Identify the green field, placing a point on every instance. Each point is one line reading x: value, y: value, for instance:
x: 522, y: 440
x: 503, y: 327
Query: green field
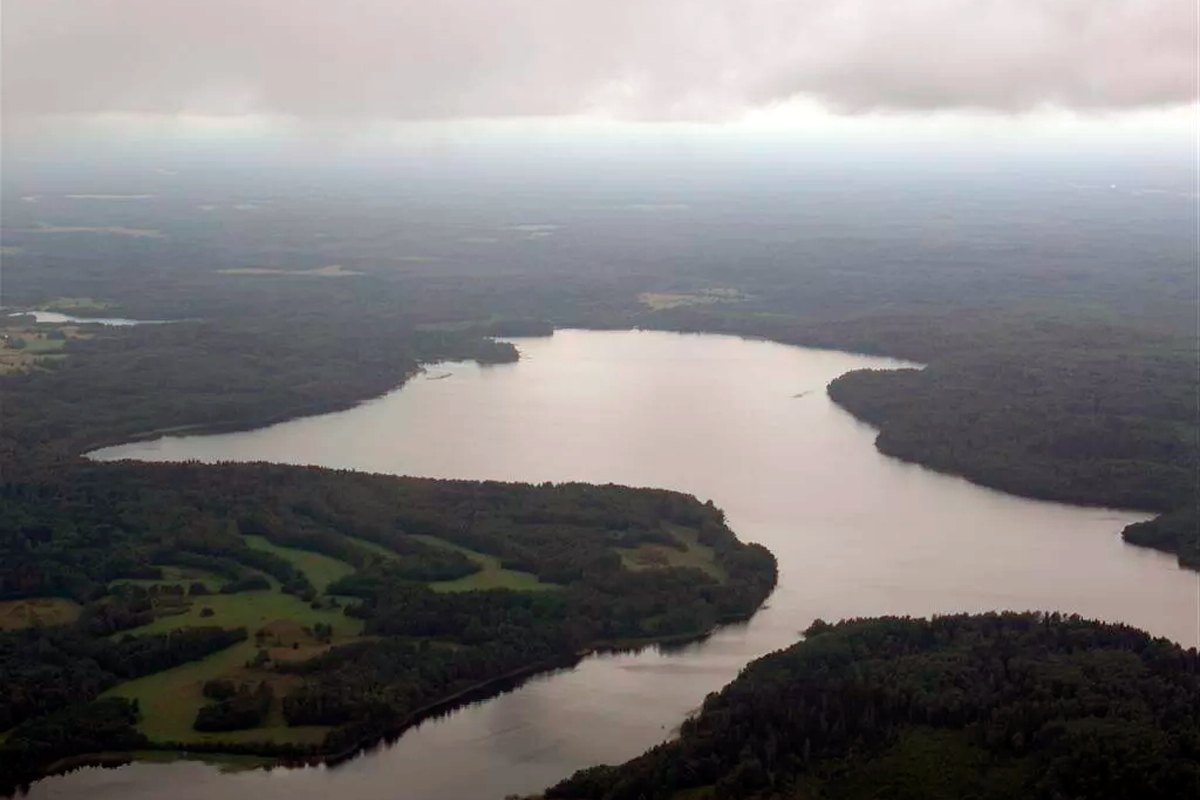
x: 37, y: 611
x: 38, y: 343
x: 321, y: 570
x: 491, y: 574
x: 252, y: 610
x: 377, y: 549
x: 169, y: 700
x: 657, y: 556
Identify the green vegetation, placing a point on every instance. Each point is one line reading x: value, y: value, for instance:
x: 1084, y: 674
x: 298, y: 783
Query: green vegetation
x: 40, y: 343
x: 685, y: 551
x: 1177, y: 532
x: 169, y: 700
x: 379, y: 596
x: 320, y: 569
x: 52, y: 675
x: 37, y: 612
x: 491, y: 573
x: 167, y: 574
x: 990, y: 706
x: 1109, y: 423
x: 250, y: 610
x: 75, y: 305
x: 663, y: 301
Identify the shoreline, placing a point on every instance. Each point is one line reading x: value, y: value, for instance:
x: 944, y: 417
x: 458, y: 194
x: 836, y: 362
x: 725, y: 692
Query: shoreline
x: 206, y: 429
x: 477, y: 692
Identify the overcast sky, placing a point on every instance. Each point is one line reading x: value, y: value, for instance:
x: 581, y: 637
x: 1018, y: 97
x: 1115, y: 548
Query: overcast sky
x: 623, y: 59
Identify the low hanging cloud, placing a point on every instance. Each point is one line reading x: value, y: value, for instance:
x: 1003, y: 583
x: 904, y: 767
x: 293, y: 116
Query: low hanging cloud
x: 640, y: 59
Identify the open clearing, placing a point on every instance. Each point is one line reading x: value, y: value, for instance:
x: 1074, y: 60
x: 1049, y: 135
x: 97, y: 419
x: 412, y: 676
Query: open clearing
x: 321, y: 570
x: 661, y: 301
x: 170, y: 699
x: 657, y: 556
x: 22, y: 348
x: 377, y: 549
x: 491, y: 574
x: 37, y: 611
x: 252, y: 610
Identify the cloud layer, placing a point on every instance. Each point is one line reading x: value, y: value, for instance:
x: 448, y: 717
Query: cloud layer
x: 639, y: 59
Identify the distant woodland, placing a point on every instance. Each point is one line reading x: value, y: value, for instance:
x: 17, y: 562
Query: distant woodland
x: 1059, y: 365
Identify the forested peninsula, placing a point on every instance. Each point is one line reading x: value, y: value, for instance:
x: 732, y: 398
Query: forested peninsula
x: 289, y: 612
x: 987, y: 706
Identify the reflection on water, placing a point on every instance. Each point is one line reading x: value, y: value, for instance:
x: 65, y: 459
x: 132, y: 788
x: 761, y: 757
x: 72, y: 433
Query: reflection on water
x: 57, y: 318
x: 744, y: 423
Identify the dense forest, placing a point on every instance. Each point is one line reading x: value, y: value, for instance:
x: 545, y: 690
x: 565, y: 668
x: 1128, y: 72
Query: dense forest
x: 986, y: 706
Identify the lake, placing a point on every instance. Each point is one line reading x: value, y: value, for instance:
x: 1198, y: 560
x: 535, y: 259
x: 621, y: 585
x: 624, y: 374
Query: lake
x: 58, y: 319
x: 744, y: 423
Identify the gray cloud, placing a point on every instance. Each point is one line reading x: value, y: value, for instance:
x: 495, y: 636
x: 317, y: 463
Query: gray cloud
x: 659, y: 59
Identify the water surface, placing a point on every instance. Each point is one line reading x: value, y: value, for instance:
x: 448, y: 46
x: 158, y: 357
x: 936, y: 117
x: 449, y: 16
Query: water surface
x: 56, y: 317
x: 744, y: 423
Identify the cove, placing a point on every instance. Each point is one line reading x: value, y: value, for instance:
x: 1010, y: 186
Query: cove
x: 744, y: 423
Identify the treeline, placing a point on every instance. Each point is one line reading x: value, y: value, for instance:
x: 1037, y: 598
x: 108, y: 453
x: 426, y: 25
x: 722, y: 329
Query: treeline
x: 1110, y: 428
x: 73, y: 532
x: 1177, y: 532
x: 369, y: 688
x: 53, y: 677
x: 245, y: 707
x: 989, y: 706
x: 124, y: 382
x: 46, y: 670
x: 102, y: 726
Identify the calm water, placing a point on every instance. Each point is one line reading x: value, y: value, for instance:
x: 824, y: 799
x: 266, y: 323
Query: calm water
x: 55, y: 317
x: 744, y: 423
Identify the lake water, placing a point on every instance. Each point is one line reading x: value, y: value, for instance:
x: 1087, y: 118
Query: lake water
x: 57, y: 318
x: 744, y: 423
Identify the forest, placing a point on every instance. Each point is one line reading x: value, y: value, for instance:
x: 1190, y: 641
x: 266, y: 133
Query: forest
x: 984, y: 706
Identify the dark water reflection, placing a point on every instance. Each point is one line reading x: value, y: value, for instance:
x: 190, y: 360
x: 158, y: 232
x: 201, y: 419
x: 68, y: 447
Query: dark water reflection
x: 855, y: 534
